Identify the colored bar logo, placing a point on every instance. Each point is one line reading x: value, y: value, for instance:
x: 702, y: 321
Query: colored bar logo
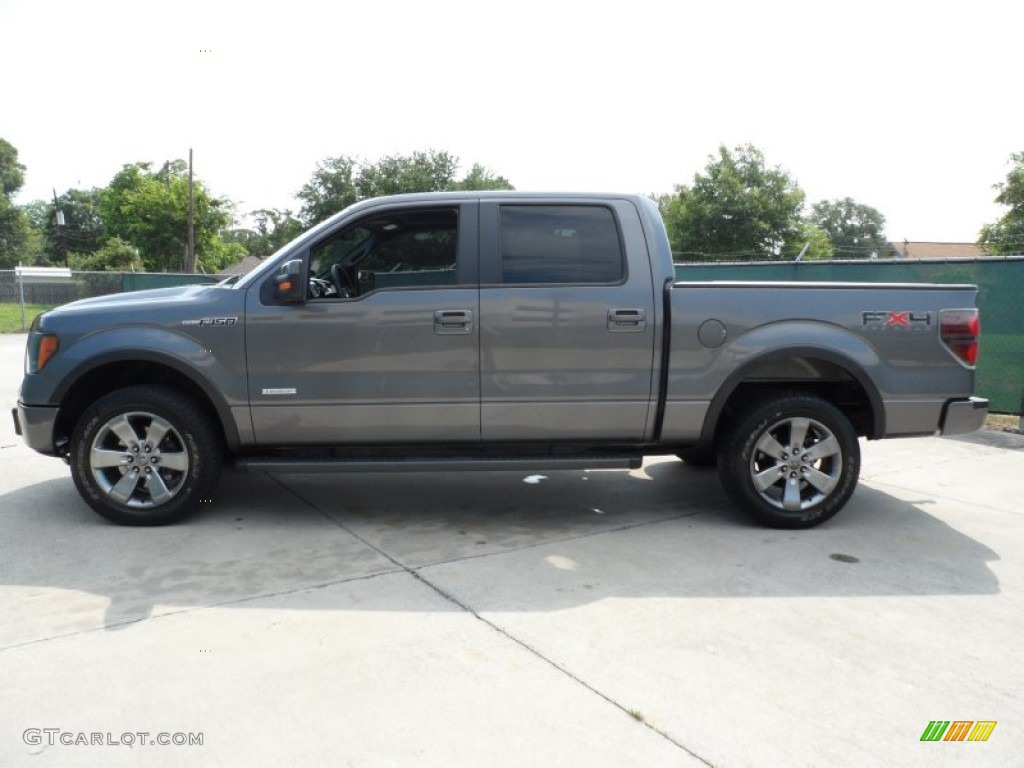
x: 958, y: 730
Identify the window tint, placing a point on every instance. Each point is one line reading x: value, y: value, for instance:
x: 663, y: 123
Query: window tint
x: 406, y: 248
x: 559, y: 244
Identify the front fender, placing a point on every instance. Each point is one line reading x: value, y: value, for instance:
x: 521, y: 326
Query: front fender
x: 216, y: 365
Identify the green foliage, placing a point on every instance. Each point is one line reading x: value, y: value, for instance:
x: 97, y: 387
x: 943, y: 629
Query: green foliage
x: 115, y: 255
x: 83, y: 231
x: 737, y: 208
x: 338, y: 182
x: 14, y: 224
x: 217, y: 254
x: 150, y: 210
x: 1006, y: 235
x: 814, y: 238
x: 12, y: 173
x: 15, y: 235
x: 855, y: 230
x: 480, y: 178
x: 272, y: 229
x: 34, y: 246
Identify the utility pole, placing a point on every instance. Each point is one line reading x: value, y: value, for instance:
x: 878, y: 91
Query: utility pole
x: 190, y: 252
x: 58, y: 221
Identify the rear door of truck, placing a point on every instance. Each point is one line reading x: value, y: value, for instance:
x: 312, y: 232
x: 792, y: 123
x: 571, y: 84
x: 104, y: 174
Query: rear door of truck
x: 567, y: 321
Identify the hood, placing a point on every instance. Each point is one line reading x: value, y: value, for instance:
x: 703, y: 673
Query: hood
x: 168, y: 307
x: 133, y: 298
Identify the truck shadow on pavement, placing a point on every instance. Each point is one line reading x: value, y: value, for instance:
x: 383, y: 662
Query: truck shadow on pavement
x: 567, y: 538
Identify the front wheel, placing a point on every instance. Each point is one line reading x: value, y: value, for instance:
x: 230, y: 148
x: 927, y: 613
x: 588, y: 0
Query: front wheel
x: 790, y: 460
x: 145, y: 455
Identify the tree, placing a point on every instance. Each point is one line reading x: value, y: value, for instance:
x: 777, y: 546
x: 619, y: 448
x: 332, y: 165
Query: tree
x: 82, y: 232
x: 480, y: 178
x: 14, y: 224
x: 273, y: 228
x: 149, y: 210
x: 856, y: 231
x: 116, y: 255
x: 341, y: 181
x: 1006, y: 235
x: 737, y: 208
x: 811, y: 240
x: 34, y: 247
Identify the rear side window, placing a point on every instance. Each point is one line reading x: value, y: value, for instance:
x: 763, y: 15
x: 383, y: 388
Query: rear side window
x: 560, y: 244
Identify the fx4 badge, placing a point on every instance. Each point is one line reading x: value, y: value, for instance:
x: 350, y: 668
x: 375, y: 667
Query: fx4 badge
x: 212, y: 321
x: 906, y: 320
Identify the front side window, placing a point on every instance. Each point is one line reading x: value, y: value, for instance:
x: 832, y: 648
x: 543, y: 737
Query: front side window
x: 560, y: 244
x: 396, y: 249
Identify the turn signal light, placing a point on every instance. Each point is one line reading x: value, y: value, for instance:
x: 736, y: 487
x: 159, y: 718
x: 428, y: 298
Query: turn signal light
x: 41, y: 347
x: 959, y: 330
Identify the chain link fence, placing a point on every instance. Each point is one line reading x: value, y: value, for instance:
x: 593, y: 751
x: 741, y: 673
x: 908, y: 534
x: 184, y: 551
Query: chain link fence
x: 30, y: 294
x: 1000, y: 281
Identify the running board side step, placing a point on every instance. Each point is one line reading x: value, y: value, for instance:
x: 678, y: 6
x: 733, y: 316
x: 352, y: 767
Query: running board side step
x: 481, y: 464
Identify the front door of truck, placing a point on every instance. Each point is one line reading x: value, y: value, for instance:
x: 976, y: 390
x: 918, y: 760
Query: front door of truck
x: 567, y: 322
x: 386, y: 348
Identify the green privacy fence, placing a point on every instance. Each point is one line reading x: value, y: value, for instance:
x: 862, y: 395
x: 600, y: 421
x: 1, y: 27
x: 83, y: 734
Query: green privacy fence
x: 141, y: 281
x: 1001, y: 299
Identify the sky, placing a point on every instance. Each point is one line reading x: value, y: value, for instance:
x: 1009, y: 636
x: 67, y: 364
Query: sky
x: 911, y: 107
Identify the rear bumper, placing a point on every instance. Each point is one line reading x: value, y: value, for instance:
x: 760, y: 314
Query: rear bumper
x: 35, y: 424
x: 962, y: 416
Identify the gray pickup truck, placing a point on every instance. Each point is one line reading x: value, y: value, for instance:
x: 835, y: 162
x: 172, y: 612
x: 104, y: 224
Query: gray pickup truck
x: 458, y: 331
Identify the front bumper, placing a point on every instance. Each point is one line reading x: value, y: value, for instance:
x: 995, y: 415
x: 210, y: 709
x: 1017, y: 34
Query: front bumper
x: 962, y: 416
x: 35, y: 423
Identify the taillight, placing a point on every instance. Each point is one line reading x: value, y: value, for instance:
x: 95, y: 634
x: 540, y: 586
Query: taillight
x: 959, y: 330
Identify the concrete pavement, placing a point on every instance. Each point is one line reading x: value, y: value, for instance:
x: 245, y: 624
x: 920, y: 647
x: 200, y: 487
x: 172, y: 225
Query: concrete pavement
x: 566, y: 618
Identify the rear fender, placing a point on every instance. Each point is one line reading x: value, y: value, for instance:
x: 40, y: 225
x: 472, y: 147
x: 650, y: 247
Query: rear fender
x: 780, y: 342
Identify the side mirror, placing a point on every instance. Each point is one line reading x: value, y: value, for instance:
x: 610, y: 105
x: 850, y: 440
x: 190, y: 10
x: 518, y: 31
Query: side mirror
x: 289, y: 283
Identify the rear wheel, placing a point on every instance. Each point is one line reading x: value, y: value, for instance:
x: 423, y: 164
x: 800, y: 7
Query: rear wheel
x: 145, y: 455
x: 790, y: 460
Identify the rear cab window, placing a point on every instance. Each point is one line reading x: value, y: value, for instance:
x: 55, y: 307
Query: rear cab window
x: 560, y: 244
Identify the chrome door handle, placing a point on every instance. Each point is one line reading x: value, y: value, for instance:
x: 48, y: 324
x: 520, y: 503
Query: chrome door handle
x: 627, y: 320
x: 453, y: 321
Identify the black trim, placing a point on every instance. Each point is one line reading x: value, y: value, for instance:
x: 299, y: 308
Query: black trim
x: 332, y: 464
x: 666, y: 347
x: 737, y: 377
x: 223, y: 410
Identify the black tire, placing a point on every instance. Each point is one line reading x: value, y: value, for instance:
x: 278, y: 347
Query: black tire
x: 145, y: 455
x: 782, y: 489
x: 704, y: 455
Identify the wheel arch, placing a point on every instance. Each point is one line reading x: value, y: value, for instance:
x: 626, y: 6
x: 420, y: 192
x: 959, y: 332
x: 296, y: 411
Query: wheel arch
x: 108, y: 373
x: 829, y: 374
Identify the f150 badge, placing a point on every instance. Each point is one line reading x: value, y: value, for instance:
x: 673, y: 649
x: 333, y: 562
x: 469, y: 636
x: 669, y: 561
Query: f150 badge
x: 211, y: 321
x: 905, y: 320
